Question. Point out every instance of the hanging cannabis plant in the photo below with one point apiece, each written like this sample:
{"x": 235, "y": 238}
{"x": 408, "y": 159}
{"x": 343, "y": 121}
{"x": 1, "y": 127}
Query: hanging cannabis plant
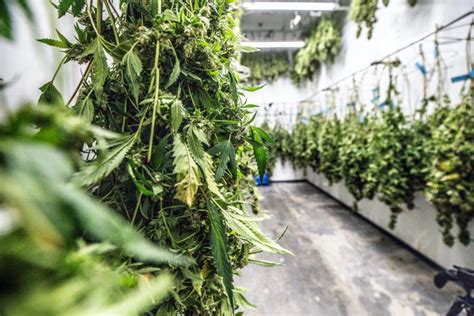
{"x": 393, "y": 151}
{"x": 451, "y": 179}
{"x": 272, "y": 151}
{"x": 363, "y": 13}
{"x": 329, "y": 141}
{"x": 159, "y": 73}
{"x": 313, "y": 153}
{"x": 355, "y": 157}
{"x": 321, "y": 46}
{"x": 299, "y": 145}
{"x": 265, "y": 67}
{"x": 283, "y": 142}
{"x": 390, "y": 155}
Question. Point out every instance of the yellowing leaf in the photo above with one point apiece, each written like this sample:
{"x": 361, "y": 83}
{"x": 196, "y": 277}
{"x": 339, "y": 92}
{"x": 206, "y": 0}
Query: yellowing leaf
{"x": 187, "y": 172}
{"x": 450, "y": 177}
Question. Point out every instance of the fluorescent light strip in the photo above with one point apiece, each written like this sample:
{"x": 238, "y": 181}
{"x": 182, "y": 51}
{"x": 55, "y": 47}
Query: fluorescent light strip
{"x": 285, "y": 44}
{"x": 290, "y": 6}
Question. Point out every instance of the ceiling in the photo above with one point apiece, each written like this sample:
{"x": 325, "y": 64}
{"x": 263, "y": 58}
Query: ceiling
{"x": 275, "y": 25}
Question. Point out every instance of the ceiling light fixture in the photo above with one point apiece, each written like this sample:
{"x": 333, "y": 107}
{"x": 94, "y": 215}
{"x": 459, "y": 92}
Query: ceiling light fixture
{"x": 290, "y": 6}
{"x": 275, "y": 44}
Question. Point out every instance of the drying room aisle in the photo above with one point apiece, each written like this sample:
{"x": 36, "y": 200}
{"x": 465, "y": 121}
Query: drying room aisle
{"x": 343, "y": 265}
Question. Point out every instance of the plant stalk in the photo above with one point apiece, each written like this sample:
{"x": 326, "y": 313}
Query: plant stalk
{"x": 99, "y": 16}
{"x": 112, "y": 18}
{"x": 156, "y": 70}
{"x": 83, "y": 78}
{"x": 136, "y": 208}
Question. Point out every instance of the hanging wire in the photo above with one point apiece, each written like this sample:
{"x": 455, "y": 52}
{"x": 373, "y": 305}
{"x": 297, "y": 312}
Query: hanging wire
{"x": 447, "y": 26}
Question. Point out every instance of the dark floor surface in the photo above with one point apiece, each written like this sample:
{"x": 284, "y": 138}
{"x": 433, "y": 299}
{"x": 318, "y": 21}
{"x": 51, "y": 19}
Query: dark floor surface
{"x": 342, "y": 265}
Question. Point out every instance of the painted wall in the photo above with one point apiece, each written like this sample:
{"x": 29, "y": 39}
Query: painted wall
{"x": 398, "y": 25}
{"x": 417, "y": 228}
{"x": 279, "y": 101}
{"x": 28, "y": 64}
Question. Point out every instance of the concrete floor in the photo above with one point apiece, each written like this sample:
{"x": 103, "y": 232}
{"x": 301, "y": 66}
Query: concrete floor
{"x": 342, "y": 265}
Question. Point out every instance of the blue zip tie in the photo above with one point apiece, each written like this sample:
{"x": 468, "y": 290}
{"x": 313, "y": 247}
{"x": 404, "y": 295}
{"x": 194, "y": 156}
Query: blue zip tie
{"x": 421, "y": 68}
{"x": 463, "y": 77}
{"x": 436, "y": 51}
{"x": 375, "y": 94}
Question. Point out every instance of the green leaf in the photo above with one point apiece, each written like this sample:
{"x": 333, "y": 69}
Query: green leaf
{"x": 77, "y": 7}
{"x": 106, "y": 225}
{"x": 262, "y": 135}
{"x": 233, "y": 87}
{"x": 176, "y": 115}
{"x": 205, "y": 99}
{"x": 249, "y": 106}
{"x": 187, "y": 172}
{"x": 175, "y": 72}
{"x": 160, "y": 152}
{"x": 63, "y": 39}
{"x": 50, "y": 95}
{"x": 99, "y": 68}
{"x": 226, "y": 153}
{"x": 200, "y": 135}
{"x": 195, "y": 145}
{"x": 52, "y": 42}
{"x": 247, "y": 228}
{"x": 191, "y": 76}
{"x": 251, "y": 119}
{"x": 139, "y": 182}
{"x": 195, "y": 138}
{"x": 44, "y": 172}
{"x": 206, "y": 166}
{"x": 63, "y": 6}
{"x": 99, "y": 64}
{"x": 219, "y": 251}
{"x": 255, "y": 88}
{"x": 85, "y": 109}
{"x": 5, "y": 20}
{"x": 140, "y": 300}
{"x": 81, "y": 34}
{"x": 133, "y": 68}
{"x": 265, "y": 263}
{"x": 95, "y": 171}
{"x": 261, "y": 156}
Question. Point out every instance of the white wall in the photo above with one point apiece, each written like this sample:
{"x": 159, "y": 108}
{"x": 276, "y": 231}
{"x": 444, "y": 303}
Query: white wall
{"x": 28, "y": 64}
{"x": 398, "y": 25}
{"x": 417, "y": 228}
{"x": 284, "y": 97}
{"x": 284, "y": 171}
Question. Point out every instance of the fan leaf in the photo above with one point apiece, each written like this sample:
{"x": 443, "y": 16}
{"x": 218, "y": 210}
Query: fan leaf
{"x": 219, "y": 251}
